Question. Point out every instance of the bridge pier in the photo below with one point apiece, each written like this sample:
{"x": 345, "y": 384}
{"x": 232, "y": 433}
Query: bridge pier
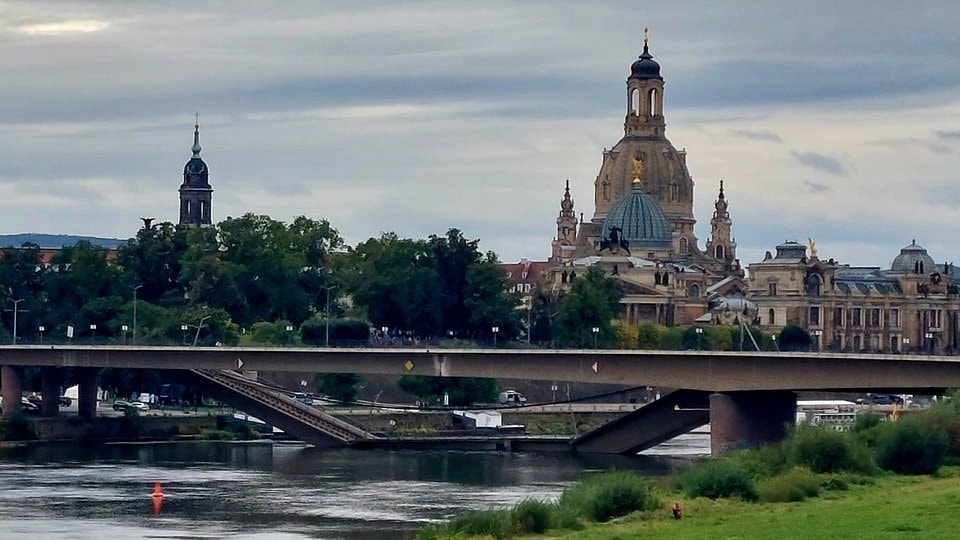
{"x": 11, "y": 379}
{"x": 87, "y": 392}
{"x": 50, "y": 390}
{"x": 748, "y": 419}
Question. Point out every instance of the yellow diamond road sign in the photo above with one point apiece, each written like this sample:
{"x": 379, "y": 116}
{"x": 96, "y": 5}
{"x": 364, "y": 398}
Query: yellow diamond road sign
{"x": 408, "y": 365}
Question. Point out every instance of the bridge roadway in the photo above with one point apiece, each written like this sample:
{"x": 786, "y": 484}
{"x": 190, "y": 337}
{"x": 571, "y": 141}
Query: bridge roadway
{"x": 709, "y": 371}
{"x": 748, "y": 397}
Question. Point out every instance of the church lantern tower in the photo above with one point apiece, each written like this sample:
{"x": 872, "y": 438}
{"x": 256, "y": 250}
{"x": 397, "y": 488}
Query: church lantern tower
{"x": 196, "y": 195}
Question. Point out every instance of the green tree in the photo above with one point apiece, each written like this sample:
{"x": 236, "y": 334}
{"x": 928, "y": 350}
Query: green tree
{"x": 593, "y": 301}
{"x": 80, "y": 275}
{"x": 22, "y": 281}
{"x": 459, "y": 390}
{"x": 454, "y": 255}
{"x": 794, "y": 338}
{"x": 487, "y": 300}
{"x": 151, "y": 262}
{"x": 338, "y": 386}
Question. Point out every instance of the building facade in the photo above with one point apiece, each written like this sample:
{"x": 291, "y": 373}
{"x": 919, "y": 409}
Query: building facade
{"x": 642, "y": 229}
{"x": 911, "y": 307}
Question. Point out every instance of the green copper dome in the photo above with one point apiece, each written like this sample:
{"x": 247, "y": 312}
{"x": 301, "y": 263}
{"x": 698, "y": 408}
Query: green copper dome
{"x": 641, "y": 220}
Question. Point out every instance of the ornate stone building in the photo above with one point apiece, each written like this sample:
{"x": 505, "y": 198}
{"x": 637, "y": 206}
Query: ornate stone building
{"x": 914, "y": 306}
{"x": 196, "y": 195}
{"x": 642, "y": 229}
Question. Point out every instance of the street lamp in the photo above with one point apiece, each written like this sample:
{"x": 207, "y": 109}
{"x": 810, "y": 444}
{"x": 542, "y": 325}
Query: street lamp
{"x": 135, "y": 289}
{"x": 929, "y": 336}
{"x": 775, "y": 346}
{"x": 326, "y": 338}
{"x": 15, "y": 311}
{"x": 596, "y": 332}
{"x": 124, "y": 328}
{"x": 40, "y": 330}
{"x": 699, "y": 332}
{"x": 93, "y": 332}
{"x": 199, "y": 326}
{"x": 495, "y": 330}
{"x": 906, "y": 344}
{"x": 817, "y": 334}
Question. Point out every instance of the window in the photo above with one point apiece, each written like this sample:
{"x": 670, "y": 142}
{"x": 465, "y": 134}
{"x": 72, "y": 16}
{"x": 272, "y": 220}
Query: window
{"x": 694, "y": 291}
{"x": 526, "y": 287}
{"x": 652, "y": 96}
{"x": 856, "y": 344}
{"x": 855, "y": 319}
{"x": 894, "y": 317}
{"x": 814, "y": 318}
{"x": 875, "y": 342}
{"x": 635, "y": 101}
{"x": 684, "y": 246}
{"x": 838, "y": 316}
{"x": 874, "y": 318}
{"x": 718, "y": 253}
{"x": 771, "y": 318}
{"x": 772, "y": 288}
{"x": 674, "y": 192}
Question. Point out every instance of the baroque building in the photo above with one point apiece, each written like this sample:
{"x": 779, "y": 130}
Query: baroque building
{"x": 196, "y": 195}
{"x": 642, "y": 229}
{"x": 913, "y": 306}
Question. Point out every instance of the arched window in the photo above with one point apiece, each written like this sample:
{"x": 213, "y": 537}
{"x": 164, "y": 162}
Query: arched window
{"x": 635, "y": 101}
{"x": 203, "y": 210}
{"x": 188, "y": 207}
{"x": 770, "y": 316}
{"x": 684, "y": 246}
{"x": 813, "y": 285}
{"x": 718, "y": 253}
{"x": 652, "y": 104}
{"x": 694, "y": 291}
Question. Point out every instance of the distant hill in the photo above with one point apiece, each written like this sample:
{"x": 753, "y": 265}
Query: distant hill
{"x": 56, "y": 241}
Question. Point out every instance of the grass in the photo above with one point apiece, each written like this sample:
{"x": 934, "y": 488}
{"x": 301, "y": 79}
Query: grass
{"x": 891, "y": 507}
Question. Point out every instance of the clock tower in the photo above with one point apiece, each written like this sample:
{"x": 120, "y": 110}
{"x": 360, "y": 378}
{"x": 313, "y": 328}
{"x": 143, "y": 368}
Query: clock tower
{"x": 195, "y": 193}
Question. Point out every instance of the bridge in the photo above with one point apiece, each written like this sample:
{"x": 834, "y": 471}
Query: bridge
{"x": 749, "y": 395}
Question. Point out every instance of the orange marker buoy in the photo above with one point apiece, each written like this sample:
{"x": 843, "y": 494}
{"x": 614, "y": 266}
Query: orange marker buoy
{"x": 157, "y": 497}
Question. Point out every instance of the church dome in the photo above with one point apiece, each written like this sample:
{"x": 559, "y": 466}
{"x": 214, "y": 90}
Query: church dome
{"x": 913, "y": 259}
{"x": 645, "y": 67}
{"x": 641, "y": 220}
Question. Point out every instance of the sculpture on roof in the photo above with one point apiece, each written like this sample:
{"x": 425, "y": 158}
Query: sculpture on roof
{"x": 614, "y": 242}
{"x": 637, "y": 170}
{"x": 813, "y": 246}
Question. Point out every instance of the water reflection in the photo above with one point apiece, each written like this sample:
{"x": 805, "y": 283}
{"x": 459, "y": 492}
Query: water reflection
{"x": 220, "y": 490}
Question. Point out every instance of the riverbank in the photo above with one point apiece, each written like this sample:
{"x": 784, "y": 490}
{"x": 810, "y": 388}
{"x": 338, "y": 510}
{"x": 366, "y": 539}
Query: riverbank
{"x": 890, "y": 507}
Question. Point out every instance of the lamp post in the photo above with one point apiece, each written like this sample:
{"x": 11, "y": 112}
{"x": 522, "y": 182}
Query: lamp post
{"x": 906, "y": 344}
{"x": 15, "y": 310}
{"x": 817, "y": 334}
{"x": 124, "y": 328}
{"x": 699, "y": 332}
{"x": 326, "y": 335}
{"x": 199, "y": 326}
{"x": 929, "y": 336}
{"x": 383, "y": 333}
{"x": 775, "y": 346}
{"x": 40, "y": 330}
{"x": 495, "y": 330}
{"x": 596, "y": 332}
{"x": 135, "y": 289}
{"x": 93, "y": 332}
{"x": 183, "y": 330}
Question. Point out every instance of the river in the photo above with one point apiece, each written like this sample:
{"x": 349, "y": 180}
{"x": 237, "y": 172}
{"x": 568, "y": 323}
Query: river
{"x": 276, "y": 491}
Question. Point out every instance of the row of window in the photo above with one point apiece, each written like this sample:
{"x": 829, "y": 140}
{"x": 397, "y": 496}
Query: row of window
{"x": 856, "y": 317}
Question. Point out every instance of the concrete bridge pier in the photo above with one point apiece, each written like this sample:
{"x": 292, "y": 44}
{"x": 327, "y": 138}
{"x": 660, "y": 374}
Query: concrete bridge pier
{"x": 11, "y": 379}
{"x": 51, "y": 378}
{"x": 87, "y": 392}
{"x": 749, "y": 419}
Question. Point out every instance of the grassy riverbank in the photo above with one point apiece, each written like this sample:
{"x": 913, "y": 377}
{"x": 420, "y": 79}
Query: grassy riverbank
{"x": 891, "y": 507}
{"x": 882, "y": 479}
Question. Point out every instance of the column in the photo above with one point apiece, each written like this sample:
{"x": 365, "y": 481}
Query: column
{"x": 750, "y": 419}
{"x": 87, "y": 393}
{"x": 50, "y": 390}
{"x": 11, "y": 378}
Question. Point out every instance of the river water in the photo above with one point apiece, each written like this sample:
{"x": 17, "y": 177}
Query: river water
{"x": 277, "y": 491}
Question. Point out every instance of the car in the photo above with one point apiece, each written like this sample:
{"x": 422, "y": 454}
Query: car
{"x": 306, "y": 399}
{"x": 121, "y": 405}
{"x": 28, "y": 407}
{"x": 38, "y": 400}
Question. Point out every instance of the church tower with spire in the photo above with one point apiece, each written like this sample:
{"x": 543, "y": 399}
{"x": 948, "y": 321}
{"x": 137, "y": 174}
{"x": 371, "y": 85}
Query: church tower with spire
{"x": 196, "y": 195}
{"x": 721, "y": 246}
{"x": 566, "y": 227}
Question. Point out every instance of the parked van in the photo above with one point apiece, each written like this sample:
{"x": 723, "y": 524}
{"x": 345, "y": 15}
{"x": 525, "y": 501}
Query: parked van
{"x": 512, "y": 397}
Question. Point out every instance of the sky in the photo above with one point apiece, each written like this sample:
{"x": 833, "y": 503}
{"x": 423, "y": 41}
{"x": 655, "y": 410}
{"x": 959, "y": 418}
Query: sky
{"x": 836, "y": 121}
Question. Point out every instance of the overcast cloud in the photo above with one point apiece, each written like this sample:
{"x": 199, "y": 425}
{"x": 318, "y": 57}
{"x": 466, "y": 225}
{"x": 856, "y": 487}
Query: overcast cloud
{"x": 832, "y": 120}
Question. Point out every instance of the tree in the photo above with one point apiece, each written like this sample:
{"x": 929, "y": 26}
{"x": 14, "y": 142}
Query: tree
{"x": 454, "y": 254}
{"x": 152, "y": 261}
{"x": 794, "y": 338}
{"x": 22, "y": 280}
{"x": 487, "y": 300}
{"x": 593, "y": 301}
{"x": 338, "y": 386}
{"x": 79, "y": 275}
{"x": 458, "y": 390}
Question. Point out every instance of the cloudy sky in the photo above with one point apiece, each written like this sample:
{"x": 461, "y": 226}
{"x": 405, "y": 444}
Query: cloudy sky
{"x": 838, "y": 121}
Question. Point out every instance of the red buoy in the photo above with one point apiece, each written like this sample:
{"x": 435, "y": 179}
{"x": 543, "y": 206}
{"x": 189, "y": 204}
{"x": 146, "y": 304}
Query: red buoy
{"x": 157, "y": 492}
